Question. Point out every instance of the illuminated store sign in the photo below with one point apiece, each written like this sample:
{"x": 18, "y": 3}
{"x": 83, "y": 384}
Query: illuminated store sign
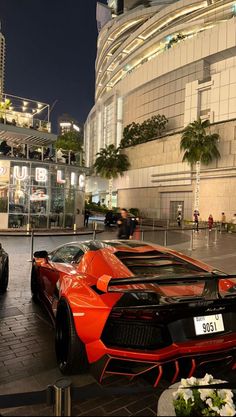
{"x": 21, "y": 173}
{"x": 41, "y": 175}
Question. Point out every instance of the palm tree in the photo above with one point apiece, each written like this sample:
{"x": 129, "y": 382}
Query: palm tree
{"x": 4, "y": 106}
{"x": 109, "y": 164}
{"x": 199, "y": 146}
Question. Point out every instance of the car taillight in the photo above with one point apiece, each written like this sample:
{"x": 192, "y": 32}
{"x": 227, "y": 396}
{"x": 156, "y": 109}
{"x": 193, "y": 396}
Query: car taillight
{"x": 133, "y": 314}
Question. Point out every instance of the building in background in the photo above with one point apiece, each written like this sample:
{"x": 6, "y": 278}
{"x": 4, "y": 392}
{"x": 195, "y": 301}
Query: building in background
{"x": 37, "y": 189}
{"x": 67, "y": 123}
{"x": 2, "y": 61}
{"x": 176, "y": 58}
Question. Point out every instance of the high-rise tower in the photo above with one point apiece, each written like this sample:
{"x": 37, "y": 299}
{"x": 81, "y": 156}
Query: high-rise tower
{"x": 2, "y": 61}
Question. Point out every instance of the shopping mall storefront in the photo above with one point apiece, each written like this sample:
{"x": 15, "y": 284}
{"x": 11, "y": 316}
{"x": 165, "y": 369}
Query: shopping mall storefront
{"x": 40, "y": 195}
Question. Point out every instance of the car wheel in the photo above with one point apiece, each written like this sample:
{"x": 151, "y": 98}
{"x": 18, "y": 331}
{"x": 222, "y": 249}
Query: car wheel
{"x": 4, "y": 278}
{"x": 70, "y": 350}
{"x": 34, "y": 285}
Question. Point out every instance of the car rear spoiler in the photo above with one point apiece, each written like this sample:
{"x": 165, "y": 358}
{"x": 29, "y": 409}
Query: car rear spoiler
{"x": 107, "y": 283}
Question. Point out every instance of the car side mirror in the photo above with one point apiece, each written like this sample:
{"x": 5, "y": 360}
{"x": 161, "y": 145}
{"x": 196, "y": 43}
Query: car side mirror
{"x": 43, "y": 254}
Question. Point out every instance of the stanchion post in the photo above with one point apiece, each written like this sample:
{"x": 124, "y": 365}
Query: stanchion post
{"x": 216, "y": 235}
{"x": 191, "y": 240}
{"x": 95, "y": 230}
{"x": 165, "y": 238}
{"x": 32, "y": 246}
{"x": 208, "y": 237}
{"x": 62, "y": 396}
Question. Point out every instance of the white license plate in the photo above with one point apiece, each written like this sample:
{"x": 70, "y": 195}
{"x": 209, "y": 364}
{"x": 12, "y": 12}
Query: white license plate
{"x": 209, "y": 324}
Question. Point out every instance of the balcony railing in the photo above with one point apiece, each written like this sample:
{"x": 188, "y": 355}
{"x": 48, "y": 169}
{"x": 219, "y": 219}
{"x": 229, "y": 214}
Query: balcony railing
{"x": 25, "y": 113}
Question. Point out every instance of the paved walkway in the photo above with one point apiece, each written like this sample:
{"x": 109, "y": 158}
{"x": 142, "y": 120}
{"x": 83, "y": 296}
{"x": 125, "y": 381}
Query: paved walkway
{"x": 27, "y": 359}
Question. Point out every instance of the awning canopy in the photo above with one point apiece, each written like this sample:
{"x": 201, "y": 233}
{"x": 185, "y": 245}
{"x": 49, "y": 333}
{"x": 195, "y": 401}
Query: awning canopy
{"x": 23, "y": 136}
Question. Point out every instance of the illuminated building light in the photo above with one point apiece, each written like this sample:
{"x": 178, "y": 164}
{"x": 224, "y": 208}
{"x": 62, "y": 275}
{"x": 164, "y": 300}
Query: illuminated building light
{"x": 74, "y": 179}
{"x": 20, "y": 173}
{"x": 60, "y": 179}
{"x": 77, "y": 128}
{"x": 41, "y": 175}
{"x": 65, "y": 124}
{"x": 82, "y": 181}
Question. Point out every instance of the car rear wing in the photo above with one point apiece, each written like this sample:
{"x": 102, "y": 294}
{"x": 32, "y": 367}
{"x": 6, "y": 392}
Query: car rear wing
{"x": 107, "y": 283}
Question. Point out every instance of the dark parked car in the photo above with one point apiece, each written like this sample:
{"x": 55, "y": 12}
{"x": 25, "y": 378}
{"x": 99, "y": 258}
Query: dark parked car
{"x": 4, "y": 270}
{"x": 111, "y": 218}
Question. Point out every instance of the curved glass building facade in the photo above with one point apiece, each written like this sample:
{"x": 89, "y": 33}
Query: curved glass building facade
{"x": 177, "y": 59}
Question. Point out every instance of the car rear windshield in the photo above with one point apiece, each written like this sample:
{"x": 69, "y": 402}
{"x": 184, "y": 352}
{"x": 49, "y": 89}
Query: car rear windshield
{"x": 157, "y": 263}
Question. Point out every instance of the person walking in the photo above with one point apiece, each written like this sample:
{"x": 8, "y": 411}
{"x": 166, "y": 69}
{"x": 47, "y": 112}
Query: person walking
{"x": 126, "y": 225}
{"x": 196, "y": 219}
{"x": 223, "y": 221}
{"x": 210, "y": 222}
{"x": 86, "y": 217}
{"x": 179, "y": 219}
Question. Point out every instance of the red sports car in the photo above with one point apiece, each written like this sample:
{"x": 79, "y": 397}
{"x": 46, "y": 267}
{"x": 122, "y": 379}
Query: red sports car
{"x": 131, "y": 308}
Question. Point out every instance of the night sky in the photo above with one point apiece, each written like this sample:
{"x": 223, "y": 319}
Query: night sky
{"x": 51, "y": 50}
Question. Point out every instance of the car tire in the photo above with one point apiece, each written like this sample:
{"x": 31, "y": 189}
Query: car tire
{"x": 34, "y": 285}
{"x": 70, "y": 350}
{"x": 4, "y": 279}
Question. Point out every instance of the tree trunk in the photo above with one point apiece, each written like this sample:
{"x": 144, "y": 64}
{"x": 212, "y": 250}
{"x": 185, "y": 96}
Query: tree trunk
{"x": 110, "y": 193}
{"x": 197, "y": 186}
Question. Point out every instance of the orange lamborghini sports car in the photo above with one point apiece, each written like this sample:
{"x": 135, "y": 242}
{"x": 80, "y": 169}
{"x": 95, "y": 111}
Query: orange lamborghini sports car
{"x": 132, "y": 308}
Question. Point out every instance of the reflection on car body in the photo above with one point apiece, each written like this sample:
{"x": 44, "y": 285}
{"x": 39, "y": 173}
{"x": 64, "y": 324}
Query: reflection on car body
{"x": 134, "y": 308}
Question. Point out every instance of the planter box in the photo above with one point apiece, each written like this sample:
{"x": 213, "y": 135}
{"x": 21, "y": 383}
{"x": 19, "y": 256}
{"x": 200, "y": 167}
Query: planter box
{"x": 165, "y": 404}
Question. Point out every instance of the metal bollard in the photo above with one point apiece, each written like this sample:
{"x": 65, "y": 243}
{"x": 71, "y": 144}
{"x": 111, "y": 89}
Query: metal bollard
{"x": 62, "y": 395}
{"x": 32, "y": 246}
{"x": 165, "y": 238}
{"x": 95, "y": 231}
{"x": 191, "y": 241}
{"x": 208, "y": 238}
{"x": 216, "y": 235}
{"x": 142, "y": 235}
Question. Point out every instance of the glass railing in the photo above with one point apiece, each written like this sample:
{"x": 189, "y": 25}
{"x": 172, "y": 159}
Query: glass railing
{"x": 25, "y": 113}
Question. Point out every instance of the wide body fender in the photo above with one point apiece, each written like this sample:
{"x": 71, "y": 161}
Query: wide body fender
{"x": 89, "y": 309}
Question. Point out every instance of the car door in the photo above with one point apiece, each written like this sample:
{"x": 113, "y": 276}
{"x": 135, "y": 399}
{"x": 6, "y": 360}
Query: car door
{"x": 59, "y": 261}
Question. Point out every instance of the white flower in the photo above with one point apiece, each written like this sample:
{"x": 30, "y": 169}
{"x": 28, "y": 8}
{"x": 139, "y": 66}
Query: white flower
{"x": 206, "y": 393}
{"x": 188, "y": 395}
{"x": 206, "y": 380}
{"x": 227, "y": 410}
{"x": 177, "y": 395}
{"x": 226, "y": 395}
{"x": 192, "y": 381}
{"x": 212, "y": 407}
{"x": 184, "y": 383}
